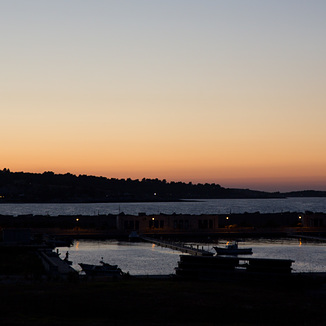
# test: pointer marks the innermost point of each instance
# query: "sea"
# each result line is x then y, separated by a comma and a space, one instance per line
207, 206
144, 258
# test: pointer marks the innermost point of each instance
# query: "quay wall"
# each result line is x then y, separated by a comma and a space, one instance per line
167, 225
144, 222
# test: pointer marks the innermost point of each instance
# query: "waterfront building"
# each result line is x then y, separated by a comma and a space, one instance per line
310, 219
161, 223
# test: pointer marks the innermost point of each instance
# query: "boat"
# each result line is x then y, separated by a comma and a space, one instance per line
233, 249
104, 269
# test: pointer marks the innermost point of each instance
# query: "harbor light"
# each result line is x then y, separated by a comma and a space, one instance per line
300, 221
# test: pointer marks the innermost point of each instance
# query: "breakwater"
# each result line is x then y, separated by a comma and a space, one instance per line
171, 225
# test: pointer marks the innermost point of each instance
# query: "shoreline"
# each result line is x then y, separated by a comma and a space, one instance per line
231, 298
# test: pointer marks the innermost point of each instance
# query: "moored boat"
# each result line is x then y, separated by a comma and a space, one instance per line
104, 269
233, 249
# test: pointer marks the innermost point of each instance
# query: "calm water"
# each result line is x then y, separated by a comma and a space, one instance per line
211, 206
147, 259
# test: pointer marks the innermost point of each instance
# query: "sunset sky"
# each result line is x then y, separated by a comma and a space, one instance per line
227, 92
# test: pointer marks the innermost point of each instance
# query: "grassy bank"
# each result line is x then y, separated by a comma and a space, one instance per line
162, 302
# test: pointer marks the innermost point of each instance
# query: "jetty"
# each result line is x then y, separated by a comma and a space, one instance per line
54, 265
179, 246
218, 267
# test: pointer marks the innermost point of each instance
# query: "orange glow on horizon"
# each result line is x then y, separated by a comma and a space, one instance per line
189, 93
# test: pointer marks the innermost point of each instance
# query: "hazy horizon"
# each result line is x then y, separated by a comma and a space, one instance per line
226, 92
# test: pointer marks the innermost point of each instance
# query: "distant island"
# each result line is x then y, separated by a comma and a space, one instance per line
48, 187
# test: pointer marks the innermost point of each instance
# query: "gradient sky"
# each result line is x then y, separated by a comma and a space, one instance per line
230, 92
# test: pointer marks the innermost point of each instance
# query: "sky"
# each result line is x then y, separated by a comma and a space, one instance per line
227, 92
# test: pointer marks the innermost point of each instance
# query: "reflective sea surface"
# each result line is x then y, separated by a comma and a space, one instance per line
149, 259
209, 206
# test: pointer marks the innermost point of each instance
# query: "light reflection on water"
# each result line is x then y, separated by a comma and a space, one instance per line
308, 256
136, 258
149, 259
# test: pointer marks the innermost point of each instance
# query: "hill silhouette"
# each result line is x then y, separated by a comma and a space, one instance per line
23, 187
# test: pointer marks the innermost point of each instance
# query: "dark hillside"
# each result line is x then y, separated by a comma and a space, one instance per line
49, 187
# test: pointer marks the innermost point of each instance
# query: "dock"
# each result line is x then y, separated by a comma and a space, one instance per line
54, 265
218, 267
194, 251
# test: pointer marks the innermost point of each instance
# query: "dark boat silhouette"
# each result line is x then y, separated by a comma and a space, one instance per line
104, 269
233, 249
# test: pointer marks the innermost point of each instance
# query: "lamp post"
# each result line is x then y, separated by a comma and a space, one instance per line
300, 220
77, 224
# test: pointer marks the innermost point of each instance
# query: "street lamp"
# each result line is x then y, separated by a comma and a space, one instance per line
300, 220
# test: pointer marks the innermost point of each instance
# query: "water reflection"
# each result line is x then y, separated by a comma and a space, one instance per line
308, 256
147, 259
135, 258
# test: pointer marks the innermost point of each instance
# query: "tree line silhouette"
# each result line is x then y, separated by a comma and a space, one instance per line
50, 187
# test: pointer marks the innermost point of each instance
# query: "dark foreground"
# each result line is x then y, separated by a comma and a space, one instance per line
162, 302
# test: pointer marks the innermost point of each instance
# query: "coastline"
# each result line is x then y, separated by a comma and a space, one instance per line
171, 225
229, 299
158, 300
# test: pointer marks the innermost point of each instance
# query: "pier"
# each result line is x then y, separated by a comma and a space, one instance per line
194, 251
225, 267
54, 265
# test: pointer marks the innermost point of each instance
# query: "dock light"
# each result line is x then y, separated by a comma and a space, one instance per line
300, 217
153, 219
77, 219
227, 217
